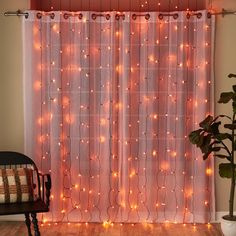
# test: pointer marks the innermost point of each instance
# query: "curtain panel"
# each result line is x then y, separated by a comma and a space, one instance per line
109, 103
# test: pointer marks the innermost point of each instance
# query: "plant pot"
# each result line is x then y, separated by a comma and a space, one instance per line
228, 227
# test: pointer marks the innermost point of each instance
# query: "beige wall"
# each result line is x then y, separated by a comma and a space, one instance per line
11, 92
225, 63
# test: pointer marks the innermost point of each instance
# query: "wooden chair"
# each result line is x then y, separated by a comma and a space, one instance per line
42, 187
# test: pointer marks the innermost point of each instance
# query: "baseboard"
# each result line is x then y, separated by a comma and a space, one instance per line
20, 217
219, 214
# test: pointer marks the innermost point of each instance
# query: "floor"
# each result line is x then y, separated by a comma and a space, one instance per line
92, 229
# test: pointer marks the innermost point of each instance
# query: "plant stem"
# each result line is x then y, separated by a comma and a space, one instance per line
232, 189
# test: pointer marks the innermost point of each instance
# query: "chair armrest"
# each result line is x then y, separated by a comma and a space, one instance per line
47, 183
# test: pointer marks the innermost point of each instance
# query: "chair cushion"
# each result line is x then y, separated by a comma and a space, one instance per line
16, 185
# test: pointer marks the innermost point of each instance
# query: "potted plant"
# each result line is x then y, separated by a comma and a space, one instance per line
222, 144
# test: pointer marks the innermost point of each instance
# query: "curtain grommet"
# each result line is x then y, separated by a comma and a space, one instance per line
94, 17
108, 16
66, 16
175, 16
199, 15
147, 16
39, 15
188, 15
208, 15
160, 16
80, 16
134, 16
52, 15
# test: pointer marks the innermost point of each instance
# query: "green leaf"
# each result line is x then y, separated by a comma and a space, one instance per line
230, 126
221, 116
221, 156
234, 88
205, 124
206, 155
194, 136
216, 149
234, 106
232, 76
223, 136
226, 97
226, 170
214, 128
205, 148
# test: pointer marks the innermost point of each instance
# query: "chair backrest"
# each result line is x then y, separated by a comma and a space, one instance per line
16, 159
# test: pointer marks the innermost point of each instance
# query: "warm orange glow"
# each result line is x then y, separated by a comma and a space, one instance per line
102, 139
174, 154
118, 68
165, 165
115, 174
40, 120
209, 171
41, 138
132, 174
151, 58
118, 105
69, 119
35, 30
65, 101
37, 46
55, 27
102, 121
37, 85
189, 193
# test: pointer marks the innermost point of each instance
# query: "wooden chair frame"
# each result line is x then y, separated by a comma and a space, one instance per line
41, 204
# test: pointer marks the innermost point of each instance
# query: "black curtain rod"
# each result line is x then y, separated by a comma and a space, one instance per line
26, 14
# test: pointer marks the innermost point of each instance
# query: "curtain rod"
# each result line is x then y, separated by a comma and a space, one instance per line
26, 14
16, 13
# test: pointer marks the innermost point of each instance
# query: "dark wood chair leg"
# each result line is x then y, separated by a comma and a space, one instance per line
28, 223
35, 223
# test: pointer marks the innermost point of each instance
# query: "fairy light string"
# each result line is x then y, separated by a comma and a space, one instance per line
186, 101
100, 106
158, 166
146, 80
195, 71
110, 119
209, 164
90, 120
167, 115
177, 118
78, 157
41, 139
62, 134
139, 154
130, 124
88, 186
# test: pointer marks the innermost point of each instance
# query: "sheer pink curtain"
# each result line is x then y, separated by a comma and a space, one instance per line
109, 104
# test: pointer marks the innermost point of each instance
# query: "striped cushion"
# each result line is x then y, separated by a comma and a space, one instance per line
16, 185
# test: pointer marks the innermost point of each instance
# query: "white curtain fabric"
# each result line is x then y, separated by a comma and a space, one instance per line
109, 105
